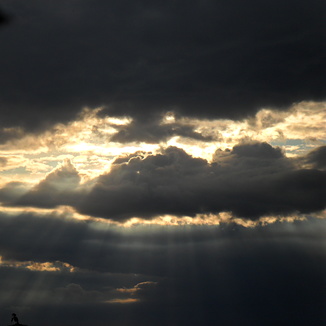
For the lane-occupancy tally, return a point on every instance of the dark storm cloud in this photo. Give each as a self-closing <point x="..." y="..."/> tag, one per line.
<point x="252" y="180"/>
<point x="200" y="58"/>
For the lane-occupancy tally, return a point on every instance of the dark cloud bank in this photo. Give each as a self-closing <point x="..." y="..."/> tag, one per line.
<point x="139" y="58"/>
<point x="251" y="181"/>
<point x="195" y="275"/>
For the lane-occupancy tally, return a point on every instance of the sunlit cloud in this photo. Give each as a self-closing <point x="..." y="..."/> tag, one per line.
<point x="222" y="218"/>
<point x="32" y="160"/>
<point x="123" y="301"/>
<point x="137" y="288"/>
<point x="87" y="140"/>
<point x="135" y="293"/>
<point x="56" y="266"/>
<point x="303" y="123"/>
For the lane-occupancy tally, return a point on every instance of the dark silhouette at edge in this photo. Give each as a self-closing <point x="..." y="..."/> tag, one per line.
<point x="15" y="319"/>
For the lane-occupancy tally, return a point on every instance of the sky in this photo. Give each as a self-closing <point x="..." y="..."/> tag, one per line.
<point x="163" y="162"/>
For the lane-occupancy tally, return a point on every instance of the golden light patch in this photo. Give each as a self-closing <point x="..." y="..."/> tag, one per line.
<point x="56" y="266"/>
<point x="100" y="223"/>
<point x="123" y="301"/>
<point x="168" y="118"/>
<point x="119" y="121"/>
<point x="130" y="290"/>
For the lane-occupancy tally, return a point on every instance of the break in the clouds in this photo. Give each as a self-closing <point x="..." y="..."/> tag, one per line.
<point x="224" y="59"/>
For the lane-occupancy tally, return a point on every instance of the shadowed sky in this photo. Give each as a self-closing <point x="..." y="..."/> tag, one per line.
<point x="202" y="58"/>
<point x="162" y="162"/>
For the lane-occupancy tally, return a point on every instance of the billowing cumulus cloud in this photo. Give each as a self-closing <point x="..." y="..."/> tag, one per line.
<point x="252" y="180"/>
<point x="257" y="151"/>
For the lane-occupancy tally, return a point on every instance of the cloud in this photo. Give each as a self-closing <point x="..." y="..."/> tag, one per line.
<point x="317" y="158"/>
<point x="3" y="161"/>
<point x="257" y="151"/>
<point x="93" y="140"/>
<point x="39" y="266"/>
<point x="153" y="131"/>
<point x="140" y="292"/>
<point x="138" y="289"/>
<point x="211" y="59"/>
<point x="56" y="189"/>
<point x="178" y="274"/>
<point x="74" y="293"/>
<point x="250" y="181"/>
<point x="12" y="191"/>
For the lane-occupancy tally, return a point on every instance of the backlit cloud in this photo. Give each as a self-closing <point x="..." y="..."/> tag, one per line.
<point x="39" y="266"/>
<point x="162" y="162"/>
<point x="252" y="180"/>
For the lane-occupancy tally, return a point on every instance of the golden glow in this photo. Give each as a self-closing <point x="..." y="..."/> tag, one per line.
<point x="68" y="212"/>
<point x="129" y="291"/>
<point x="123" y="301"/>
<point x="56" y="266"/>
<point x="168" y="118"/>
<point x="86" y="142"/>
<point x="119" y="121"/>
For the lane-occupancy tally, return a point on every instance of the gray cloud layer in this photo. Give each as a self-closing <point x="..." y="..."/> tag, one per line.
<point x="251" y="181"/>
<point x="200" y="273"/>
<point x="201" y="58"/>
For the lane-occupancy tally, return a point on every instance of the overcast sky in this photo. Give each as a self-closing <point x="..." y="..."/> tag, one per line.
<point x="163" y="162"/>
